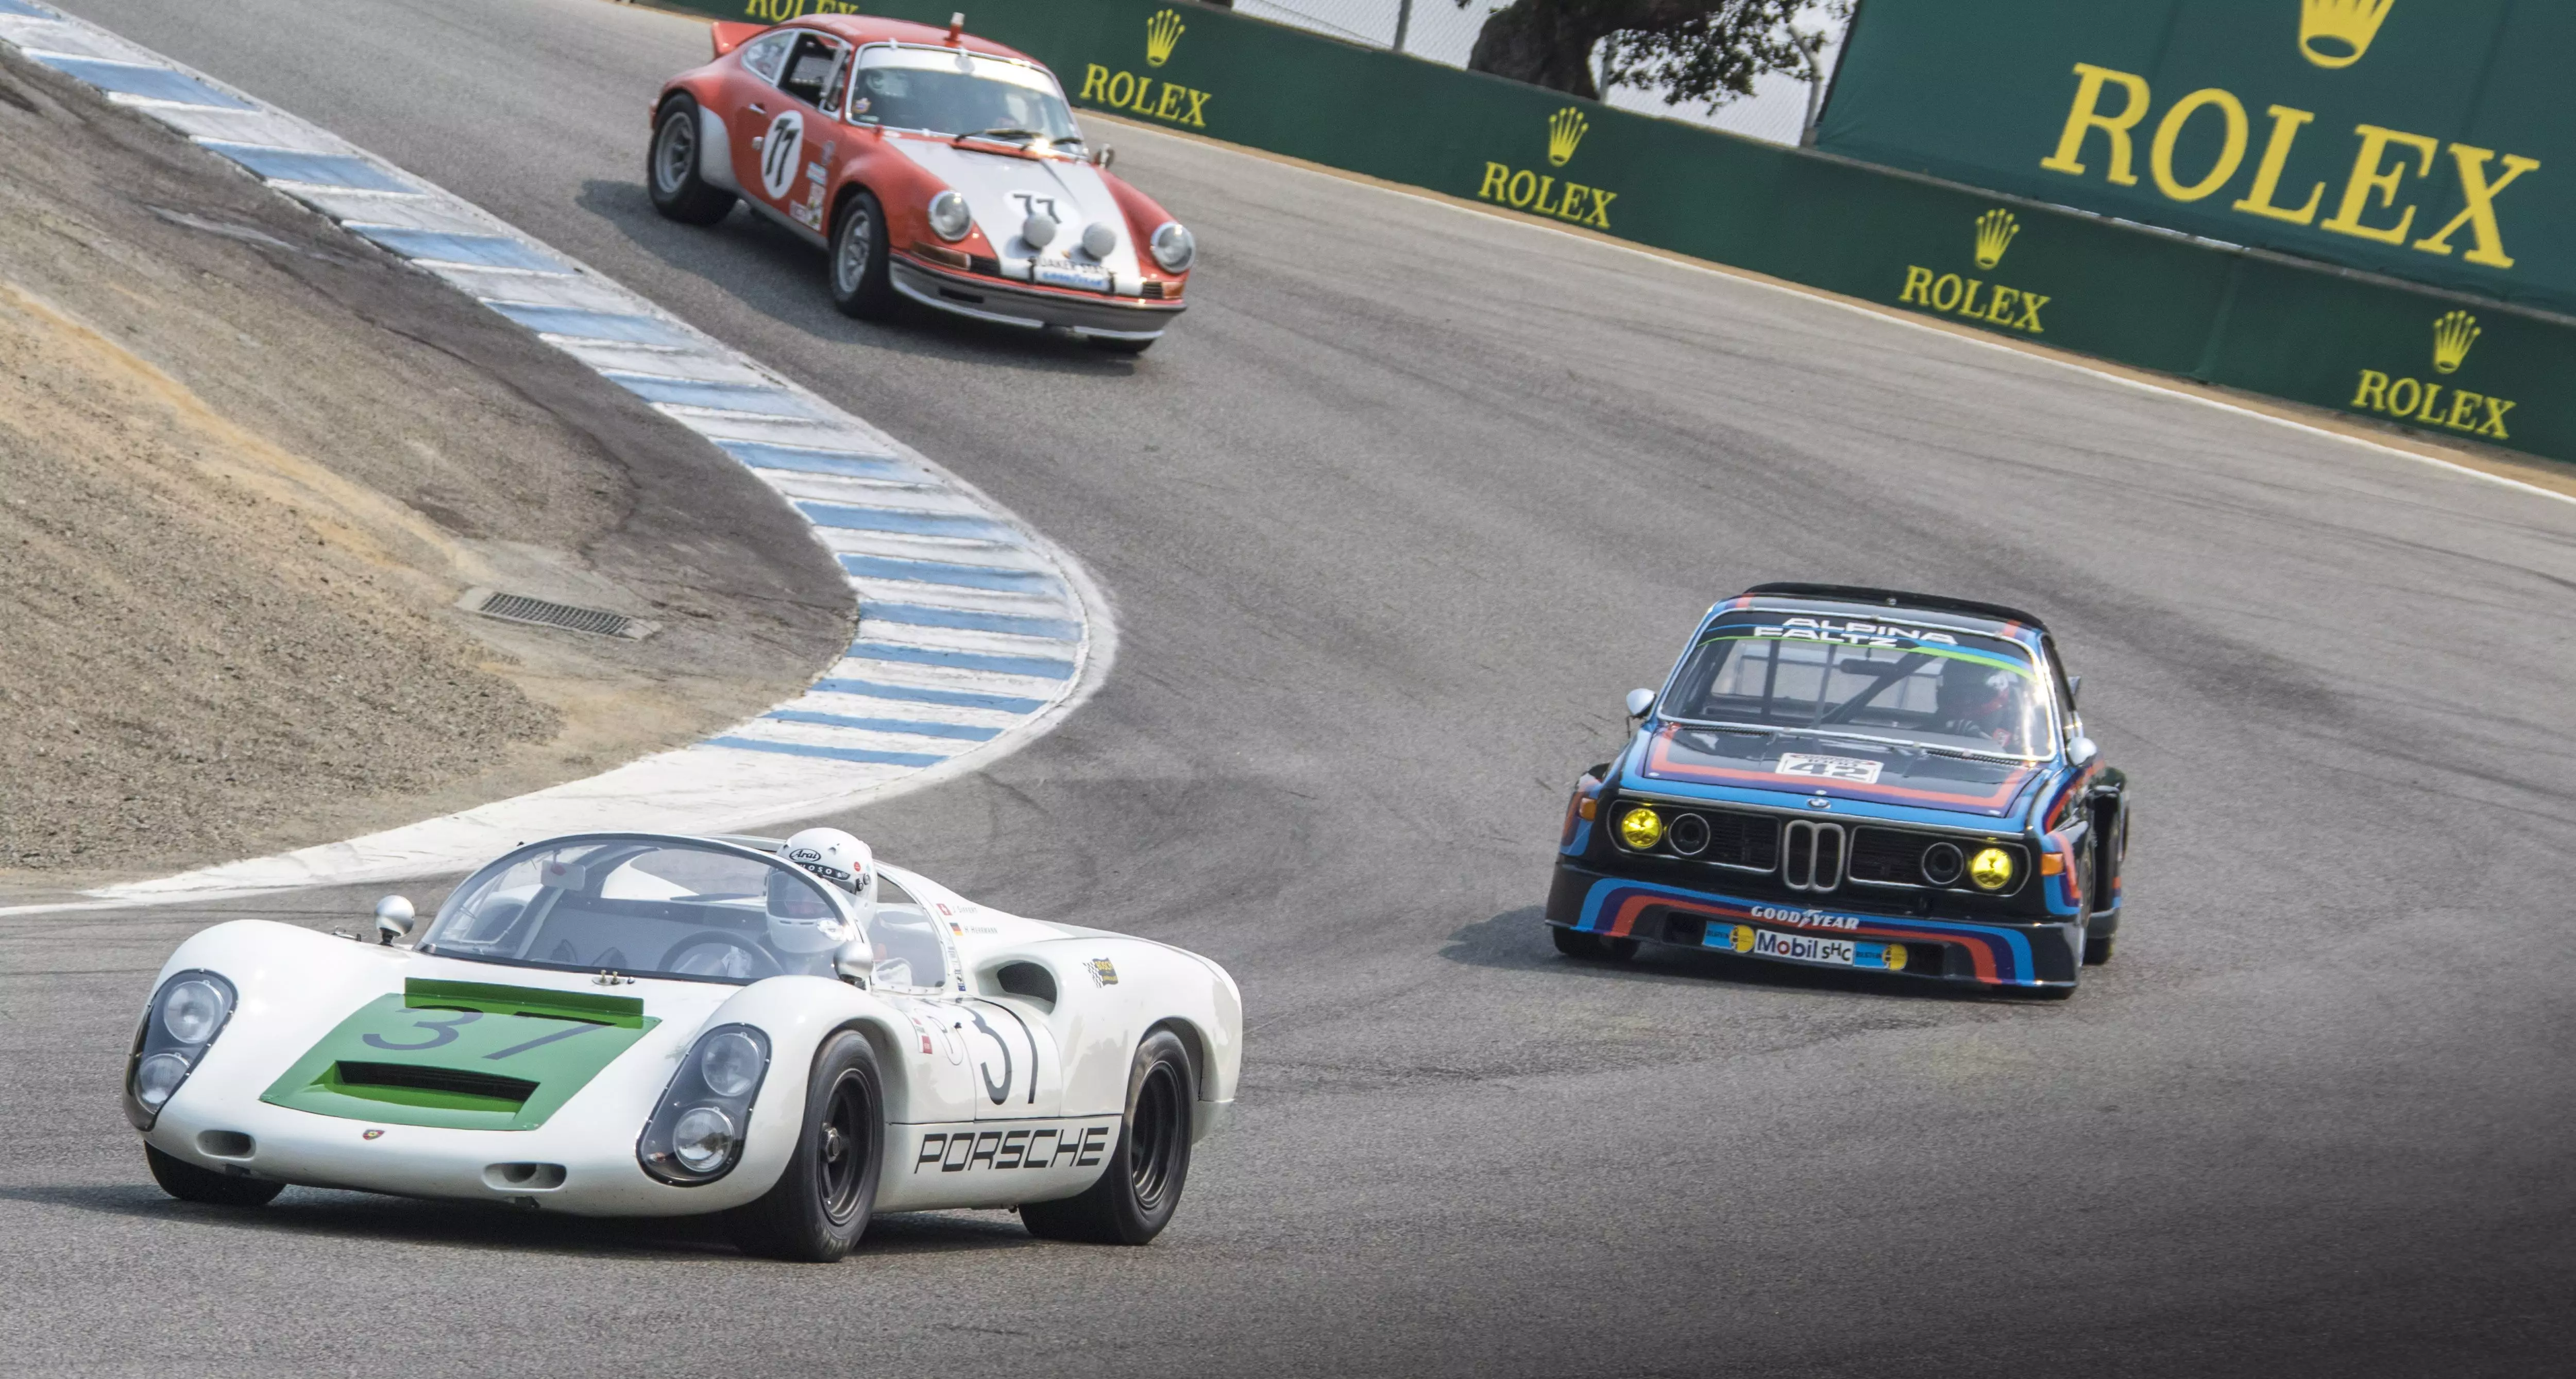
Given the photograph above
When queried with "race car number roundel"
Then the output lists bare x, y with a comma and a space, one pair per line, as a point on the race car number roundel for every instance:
778, 154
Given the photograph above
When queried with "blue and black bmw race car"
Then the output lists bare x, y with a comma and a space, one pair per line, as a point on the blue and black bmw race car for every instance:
1855, 778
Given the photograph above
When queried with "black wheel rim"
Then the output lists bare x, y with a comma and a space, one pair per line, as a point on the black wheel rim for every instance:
841, 1148
850, 258
1153, 1135
676, 153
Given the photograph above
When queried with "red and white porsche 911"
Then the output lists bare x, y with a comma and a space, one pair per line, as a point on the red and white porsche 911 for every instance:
932, 165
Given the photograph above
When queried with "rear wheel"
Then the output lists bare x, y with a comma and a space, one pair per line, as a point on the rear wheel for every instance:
861, 281
671, 170
2097, 948
1137, 1194
189, 1183
820, 1204
1575, 943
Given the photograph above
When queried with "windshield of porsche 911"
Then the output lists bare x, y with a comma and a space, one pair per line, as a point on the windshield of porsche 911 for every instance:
643, 908
1951, 691
957, 93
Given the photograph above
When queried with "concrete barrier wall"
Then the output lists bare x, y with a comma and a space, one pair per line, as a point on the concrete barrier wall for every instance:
2446, 364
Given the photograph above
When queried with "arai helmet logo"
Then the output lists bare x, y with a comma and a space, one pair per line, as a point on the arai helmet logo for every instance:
805, 855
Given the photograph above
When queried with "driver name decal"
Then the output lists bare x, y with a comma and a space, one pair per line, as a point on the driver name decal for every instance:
1854, 769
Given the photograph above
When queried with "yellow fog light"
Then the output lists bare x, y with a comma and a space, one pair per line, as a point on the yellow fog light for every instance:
1896, 957
1641, 828
1991, 869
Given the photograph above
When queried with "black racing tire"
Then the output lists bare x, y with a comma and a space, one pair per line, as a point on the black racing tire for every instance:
858, 268
1575, 943
1141, 1187
189, 1183
820, 1205
2051, 993
2097, 948
671, 169
1109, 344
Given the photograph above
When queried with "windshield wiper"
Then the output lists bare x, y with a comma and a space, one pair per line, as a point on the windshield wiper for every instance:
1005, 133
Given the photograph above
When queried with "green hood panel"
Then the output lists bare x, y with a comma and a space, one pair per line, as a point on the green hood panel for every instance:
462, 1055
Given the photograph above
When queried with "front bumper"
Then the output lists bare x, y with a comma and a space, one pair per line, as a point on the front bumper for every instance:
1029, 307
1967, 952
581, 1165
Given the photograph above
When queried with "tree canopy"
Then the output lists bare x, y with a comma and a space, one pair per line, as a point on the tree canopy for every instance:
1691, 50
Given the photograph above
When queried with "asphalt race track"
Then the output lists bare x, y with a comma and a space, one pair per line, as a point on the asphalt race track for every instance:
1406, 503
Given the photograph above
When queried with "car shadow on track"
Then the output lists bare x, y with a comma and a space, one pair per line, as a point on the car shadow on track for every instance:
1517, 940
355, 1215
771, 271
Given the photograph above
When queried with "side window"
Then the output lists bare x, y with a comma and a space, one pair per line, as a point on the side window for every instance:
905, 931
767, 54
811, 69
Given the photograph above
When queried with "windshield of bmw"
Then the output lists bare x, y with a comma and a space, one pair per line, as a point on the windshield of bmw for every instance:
959, 93
1950, 691
644, 908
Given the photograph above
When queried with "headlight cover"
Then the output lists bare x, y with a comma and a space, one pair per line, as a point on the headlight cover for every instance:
949, 216
1640, 828
696, 1134
1173, 247
1991, 869
180, 1024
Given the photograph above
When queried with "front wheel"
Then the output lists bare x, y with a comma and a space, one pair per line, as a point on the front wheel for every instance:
861, 283
1575, 943
1138, 1192
2097, 948
1112, 344
671, 171
189, 1183
820, 1204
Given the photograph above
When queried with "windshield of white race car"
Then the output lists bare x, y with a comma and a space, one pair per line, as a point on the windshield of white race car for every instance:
959, 93
1953, 691
669, 908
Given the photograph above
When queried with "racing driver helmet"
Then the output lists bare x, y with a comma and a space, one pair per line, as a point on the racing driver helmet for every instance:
799, 921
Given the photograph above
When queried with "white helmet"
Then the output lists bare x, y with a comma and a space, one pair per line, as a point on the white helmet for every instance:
799, 920
833, 855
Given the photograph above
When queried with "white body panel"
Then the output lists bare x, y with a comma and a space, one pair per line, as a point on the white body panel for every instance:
1059, 1068
1001, 189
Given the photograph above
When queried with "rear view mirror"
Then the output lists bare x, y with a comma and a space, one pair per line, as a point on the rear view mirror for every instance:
1105, 156
2074, 689
2081, 751
393, 918
855, 962
1639, 702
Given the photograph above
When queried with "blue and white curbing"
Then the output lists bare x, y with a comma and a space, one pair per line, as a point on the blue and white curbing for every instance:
976, 634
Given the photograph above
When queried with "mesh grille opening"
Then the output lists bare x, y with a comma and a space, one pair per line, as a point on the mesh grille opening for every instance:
536, 612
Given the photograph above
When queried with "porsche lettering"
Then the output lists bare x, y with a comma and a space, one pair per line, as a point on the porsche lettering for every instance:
961, 1151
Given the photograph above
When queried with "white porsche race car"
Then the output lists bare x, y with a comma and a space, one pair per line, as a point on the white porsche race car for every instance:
623, 1024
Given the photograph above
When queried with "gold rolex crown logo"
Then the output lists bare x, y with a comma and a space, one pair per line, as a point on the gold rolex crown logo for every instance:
2452, 337
1161, 32
1995, 231
1564, 133
2335, 33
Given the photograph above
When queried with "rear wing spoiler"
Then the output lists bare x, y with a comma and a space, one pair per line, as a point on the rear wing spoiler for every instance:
727, 35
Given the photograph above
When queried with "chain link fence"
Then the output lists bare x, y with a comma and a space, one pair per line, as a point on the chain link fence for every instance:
1444, 31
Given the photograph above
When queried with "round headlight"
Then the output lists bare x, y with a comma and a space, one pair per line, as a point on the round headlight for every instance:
1641, 828
1941, 864
192, 1012
949, 215
703, 1139
729, 1065
158, 1077
1991, 869
1174, 248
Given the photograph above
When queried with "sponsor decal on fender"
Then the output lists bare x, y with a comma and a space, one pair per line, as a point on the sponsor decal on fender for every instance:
1068, 1146
1525, 190
2415, 400
1151, 97
1975, 299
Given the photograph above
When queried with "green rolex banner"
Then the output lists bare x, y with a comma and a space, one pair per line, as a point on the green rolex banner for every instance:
2425, 139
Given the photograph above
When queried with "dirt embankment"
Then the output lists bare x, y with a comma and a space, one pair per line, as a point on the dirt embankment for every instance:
247, 465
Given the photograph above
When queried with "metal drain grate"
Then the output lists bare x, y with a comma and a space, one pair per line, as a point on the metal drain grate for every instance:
520, 608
